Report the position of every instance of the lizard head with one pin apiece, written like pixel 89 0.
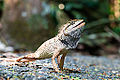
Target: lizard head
pixel 73 28
pixel 70 33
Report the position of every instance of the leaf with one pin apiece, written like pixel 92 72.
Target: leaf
pixel 117 30
pixel 69 6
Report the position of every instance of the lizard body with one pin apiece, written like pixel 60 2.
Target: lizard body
pixel 67 38
pixel 48 48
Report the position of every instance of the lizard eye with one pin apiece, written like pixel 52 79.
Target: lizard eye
pixel 71 23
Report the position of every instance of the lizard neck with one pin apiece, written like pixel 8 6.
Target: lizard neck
pixel 69 41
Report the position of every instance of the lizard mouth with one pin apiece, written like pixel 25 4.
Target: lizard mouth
pixel 81 24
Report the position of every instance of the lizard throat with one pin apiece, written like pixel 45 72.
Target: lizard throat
pixel 69 42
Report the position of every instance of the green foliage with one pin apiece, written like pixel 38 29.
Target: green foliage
pixel 94 12
pixel 104 8
pixel 1 5
pixel 89 10
pixel 70 6
pixel 117 30
pixel 95 39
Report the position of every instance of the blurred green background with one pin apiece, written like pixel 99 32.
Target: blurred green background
pixel 26 24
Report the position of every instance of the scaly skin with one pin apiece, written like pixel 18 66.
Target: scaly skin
pixel 67 38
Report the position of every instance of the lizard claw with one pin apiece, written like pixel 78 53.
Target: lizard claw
pixel 58 71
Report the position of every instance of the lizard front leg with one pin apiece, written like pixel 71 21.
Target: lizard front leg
pixel 56 54
pixel 58 60
pixel 62 61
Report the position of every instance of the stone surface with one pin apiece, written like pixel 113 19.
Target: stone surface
pixel 76 67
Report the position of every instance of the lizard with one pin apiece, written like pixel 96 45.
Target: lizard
pixel 67 38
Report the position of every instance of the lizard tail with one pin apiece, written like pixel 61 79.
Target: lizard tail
pixel 8 59
pixel 27 58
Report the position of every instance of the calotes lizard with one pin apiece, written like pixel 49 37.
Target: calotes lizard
pixel 67 38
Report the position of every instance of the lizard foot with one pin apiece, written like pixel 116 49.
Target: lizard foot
pixel 56 71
